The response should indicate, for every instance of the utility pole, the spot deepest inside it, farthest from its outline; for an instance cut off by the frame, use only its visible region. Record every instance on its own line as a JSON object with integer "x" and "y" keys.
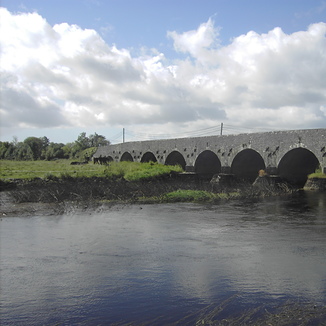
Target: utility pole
{"x": 221, "y": 128}
{"x": 123, "y": 135}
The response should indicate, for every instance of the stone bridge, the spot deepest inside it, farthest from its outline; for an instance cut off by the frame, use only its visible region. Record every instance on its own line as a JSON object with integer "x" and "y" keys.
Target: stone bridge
{"x": 292, "y": 155}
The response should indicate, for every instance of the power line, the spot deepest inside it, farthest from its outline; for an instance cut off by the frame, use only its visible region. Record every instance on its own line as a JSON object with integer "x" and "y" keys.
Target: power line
{"x": 240, "y": 129}
{"x": 116, "y": 137}
{"x": 194, "y": 133}
{"x": 224, "y": 129}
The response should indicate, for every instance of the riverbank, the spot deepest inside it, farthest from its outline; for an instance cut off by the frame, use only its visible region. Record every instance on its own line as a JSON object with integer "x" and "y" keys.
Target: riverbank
{"x": 58, "y": 195}
{"x": 318, "y": 184}
{"x": 61, "y": 195}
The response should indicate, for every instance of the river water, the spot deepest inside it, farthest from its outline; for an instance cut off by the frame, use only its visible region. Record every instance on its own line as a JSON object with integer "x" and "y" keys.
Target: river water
{"x": 163, "y": 264}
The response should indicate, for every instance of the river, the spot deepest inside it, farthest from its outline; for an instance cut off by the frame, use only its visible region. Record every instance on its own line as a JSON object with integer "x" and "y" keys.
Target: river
{"x": 165, "y": 263}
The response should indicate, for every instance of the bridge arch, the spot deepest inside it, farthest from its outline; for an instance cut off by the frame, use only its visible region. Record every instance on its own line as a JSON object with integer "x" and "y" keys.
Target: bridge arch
{"x": 246, "y": 165}
{"x": 126, "y": 157}
{"x": 148, "y": 157}
{"x": 296, "y": 164}
{"x": 207, "y": 164}
{"x": 176, "y": 158}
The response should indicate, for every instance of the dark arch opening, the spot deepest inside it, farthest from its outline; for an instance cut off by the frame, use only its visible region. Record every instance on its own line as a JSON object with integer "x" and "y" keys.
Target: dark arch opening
{"x": 148, "y": 157}
{"x": 175, "y": 158}
{"x": 247, "y": 164}
{"x": 126, "y": 157}
{"x": 296, "y": 164}
{"x": 207, "y": 164}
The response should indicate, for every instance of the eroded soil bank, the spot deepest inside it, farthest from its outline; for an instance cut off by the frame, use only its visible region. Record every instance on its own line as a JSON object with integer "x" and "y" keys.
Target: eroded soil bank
{"x": 57, "y": 190}
{"x": 57, "y": 196}
{"x": 23, "y": 197}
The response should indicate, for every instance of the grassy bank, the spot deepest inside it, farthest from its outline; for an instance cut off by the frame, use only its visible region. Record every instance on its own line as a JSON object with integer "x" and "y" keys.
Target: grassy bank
{"x": 59, "y": 181}
{"x": 318, "y": 174}
{"x": 62, "y": 169}
{"x": 196, "y": 196}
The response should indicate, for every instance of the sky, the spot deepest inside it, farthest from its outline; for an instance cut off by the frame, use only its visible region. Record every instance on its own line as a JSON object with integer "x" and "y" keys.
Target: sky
{"x": 160, "y": 68}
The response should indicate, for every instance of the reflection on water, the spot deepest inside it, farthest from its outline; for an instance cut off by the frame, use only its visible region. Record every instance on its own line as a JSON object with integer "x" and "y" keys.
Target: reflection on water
{"x": 161, "y": 263}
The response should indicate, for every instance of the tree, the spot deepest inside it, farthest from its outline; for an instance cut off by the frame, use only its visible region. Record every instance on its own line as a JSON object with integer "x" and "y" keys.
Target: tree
{"x": 82, "y": 142}
{"x": 4, "y": 147}
{"x": 23, "y": 152}
{"x": 33, "y": 148}
{"x": 14, "y": 140}
{"x": 45, "y": 143}
{"x": 98, "y": 140}
{"x": 36, "y": 146}
{"x": 69, "y": 150}
{"x": 55, "y": 151}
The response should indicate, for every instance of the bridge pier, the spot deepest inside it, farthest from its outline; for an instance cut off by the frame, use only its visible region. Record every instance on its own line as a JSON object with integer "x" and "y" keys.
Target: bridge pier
{"x": 190, "y": 168}
{"x": 291, "y": 154}
{"x": 271, "y": 170}
{"x": 226, "y": 169}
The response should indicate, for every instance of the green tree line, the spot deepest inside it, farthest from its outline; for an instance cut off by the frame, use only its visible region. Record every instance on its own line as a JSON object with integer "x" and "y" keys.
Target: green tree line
{"x": 34, "y": 148}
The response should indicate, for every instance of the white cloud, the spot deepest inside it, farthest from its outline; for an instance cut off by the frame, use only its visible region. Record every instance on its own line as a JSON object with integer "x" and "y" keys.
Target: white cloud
{"x": 67, "y": 76}
{"x": 197, "y": 42}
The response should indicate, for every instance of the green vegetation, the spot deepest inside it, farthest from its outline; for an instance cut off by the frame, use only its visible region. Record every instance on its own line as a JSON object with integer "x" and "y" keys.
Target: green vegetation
{"x": 147, "y": 171}
{"x": 317, "y": 174}
{"x": 196, "y": 196}
{"x": 111, "y": 189}
{"x": 135, "y": 171}
{"x": 50, "y": 170}
{"x": 33, "y": 148}
{"x": 46, "y": 169}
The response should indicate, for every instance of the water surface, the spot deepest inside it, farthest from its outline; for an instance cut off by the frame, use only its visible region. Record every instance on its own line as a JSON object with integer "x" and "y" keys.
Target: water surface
{"x": 161, "y": 264}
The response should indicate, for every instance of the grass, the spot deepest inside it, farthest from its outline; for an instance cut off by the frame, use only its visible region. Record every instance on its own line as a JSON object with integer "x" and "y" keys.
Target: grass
{"x": 131, "y": 171}
{"x": 185, "y": 196}
{"x": 146, "y": 171}
{"x": 47, "y": 169}
{"x": 135, "y": 171}
{"x": 317, "y": 174}
{"x": 196, "y": 196}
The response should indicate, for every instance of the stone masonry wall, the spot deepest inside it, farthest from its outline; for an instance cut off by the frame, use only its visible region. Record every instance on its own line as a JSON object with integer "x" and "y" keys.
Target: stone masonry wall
{"x": 272, "y": 146}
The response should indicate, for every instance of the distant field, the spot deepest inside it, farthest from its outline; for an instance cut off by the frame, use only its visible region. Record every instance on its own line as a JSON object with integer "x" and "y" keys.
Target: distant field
{"x": 63, "y": 168}
{"x": 42, "y": 169}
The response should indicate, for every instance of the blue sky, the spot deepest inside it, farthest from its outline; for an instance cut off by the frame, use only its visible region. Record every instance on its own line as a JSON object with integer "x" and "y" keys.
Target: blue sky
{"x": 138, "y": 23}
{"x": 161, "y": 68}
